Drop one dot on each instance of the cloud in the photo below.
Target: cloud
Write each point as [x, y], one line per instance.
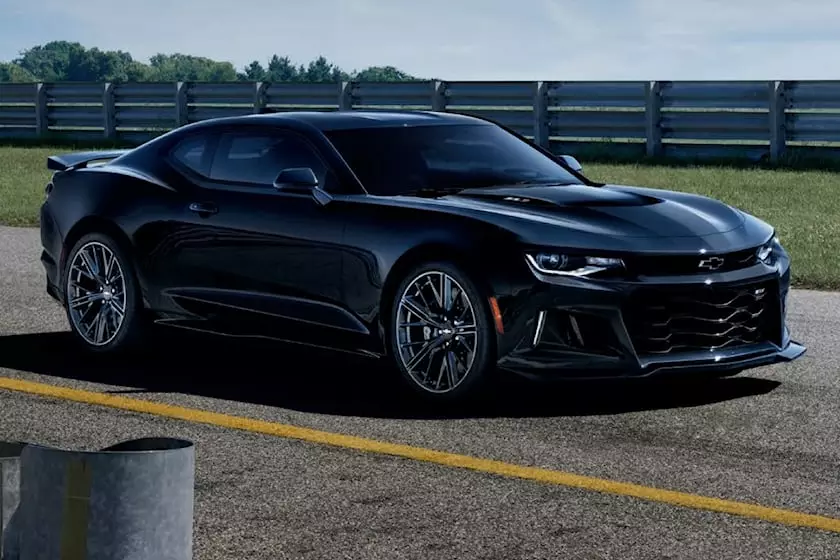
[699, 39]
[461, 39]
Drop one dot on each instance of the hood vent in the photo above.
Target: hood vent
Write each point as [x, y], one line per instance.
[511, 199]
[639, 200]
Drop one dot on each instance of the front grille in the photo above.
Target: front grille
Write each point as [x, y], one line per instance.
[665, 320]
[674, 265]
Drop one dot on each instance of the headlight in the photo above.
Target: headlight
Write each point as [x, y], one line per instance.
[770, 251]
[559, 264]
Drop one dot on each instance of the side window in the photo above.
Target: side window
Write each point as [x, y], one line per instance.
[257, 158]
[194, 154]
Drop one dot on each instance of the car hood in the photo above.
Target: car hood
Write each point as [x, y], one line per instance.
[615, 210]
[614, 216]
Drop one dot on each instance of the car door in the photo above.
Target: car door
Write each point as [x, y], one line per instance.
[251, 259]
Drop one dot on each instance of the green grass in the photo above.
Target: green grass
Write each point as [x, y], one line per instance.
[803, 205]
[23, 176]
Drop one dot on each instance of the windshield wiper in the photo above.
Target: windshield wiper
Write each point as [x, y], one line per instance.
[442, 191]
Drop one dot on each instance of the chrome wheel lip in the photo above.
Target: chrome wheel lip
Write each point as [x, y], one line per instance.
[96, 283]
[460, 332]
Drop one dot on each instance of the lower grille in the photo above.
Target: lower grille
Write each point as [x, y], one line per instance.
[665, 320]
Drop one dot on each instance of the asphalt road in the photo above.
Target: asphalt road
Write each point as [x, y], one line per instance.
[768, 436]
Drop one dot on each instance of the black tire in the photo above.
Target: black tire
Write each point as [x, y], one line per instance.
[479, 369]
[132, 328]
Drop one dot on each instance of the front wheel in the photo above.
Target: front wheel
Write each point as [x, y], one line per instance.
[442, 337]
[101, 295]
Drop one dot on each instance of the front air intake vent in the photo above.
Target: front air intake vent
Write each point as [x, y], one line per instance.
[667, 320]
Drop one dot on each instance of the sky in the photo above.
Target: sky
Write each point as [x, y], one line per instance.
[461, 39]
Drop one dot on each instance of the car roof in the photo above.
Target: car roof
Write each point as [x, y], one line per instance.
[353, 119]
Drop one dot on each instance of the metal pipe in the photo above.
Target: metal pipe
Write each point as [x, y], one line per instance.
[9, 493]
[132, 500]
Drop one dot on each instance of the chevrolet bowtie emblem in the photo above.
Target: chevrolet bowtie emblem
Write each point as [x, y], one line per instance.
[712, 263]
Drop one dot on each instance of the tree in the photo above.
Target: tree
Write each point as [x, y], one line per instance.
[188, 68]
[254, 72]
[382, 74]
[281, 69]
[11, 72]
[58, 61]
[321, 70]
[66, 61]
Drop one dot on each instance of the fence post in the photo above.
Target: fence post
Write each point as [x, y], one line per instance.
[541, 129]
[259, 96]
[438, 96]
[345, 96]
[181, 103]
[42, 116]
[776, 121]
[653, 114]
[109, 112]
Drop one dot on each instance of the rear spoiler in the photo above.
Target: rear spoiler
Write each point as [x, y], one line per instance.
[78, 160]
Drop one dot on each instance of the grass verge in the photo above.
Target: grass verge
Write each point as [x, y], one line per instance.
[803, 205]
[23, 176]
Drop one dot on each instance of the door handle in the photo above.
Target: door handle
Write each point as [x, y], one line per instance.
[203, 208]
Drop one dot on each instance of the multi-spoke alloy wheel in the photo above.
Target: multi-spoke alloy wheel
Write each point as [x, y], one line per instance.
[96, 293]
[437, 331]
[102, 297]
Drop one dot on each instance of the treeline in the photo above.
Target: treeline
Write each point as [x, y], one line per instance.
[60, 61]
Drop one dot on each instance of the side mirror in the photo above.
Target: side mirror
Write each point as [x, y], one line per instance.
[573, 163]
[297, 180]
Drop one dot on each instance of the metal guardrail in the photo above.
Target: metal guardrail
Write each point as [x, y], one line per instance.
[697, 120]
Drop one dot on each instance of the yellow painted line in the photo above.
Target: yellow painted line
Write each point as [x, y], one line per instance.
[547, 476]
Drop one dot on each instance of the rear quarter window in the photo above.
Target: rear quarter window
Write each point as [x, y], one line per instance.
[193, 153]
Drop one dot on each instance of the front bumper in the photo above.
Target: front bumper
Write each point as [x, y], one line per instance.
[586, 329]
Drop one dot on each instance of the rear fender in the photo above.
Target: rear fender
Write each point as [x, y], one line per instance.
[97, 224]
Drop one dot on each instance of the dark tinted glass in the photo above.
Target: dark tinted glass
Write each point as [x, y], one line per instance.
[192, 153]
[257, 158]
[394, 160]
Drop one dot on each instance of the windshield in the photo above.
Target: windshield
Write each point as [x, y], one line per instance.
[398, 160]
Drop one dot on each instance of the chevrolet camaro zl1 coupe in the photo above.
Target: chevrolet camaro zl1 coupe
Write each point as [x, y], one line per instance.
[445, 243]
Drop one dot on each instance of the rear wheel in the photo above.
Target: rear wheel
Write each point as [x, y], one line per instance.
[441, 337]
[101, 295]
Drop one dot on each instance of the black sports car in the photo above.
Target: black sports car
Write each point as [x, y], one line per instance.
[446, 243]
